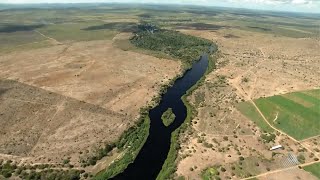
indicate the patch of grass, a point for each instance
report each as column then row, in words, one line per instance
column 314, row 169
column 25, row 47
column 247, row 167
column 43, row 171
column 268, row 137
column 247, row 109
column 199, row 98
column 76, row 32
column 294, row 118
column 168, row 117
column 19, row 41
column 210, row 173
column 131, row 142
column 297, row 113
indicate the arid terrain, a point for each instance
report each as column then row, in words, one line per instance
column 75, row 78
column 250, row 65
column 63, row 101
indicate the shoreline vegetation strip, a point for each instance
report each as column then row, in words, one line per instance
column 134, row 138
column 169, row 166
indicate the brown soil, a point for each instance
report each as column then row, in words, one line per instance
column 250, row 66
column 67, row 100
column 294, row 174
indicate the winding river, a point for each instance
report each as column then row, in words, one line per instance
column 153, row 154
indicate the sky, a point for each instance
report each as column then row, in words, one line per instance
column 311, row 6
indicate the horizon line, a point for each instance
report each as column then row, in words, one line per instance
column 149, row 3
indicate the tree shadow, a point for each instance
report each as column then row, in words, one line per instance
column 3, row 91
column 228, row 36
column 119, row 26
column 15, row 28
column 259, row 28
column 200, row 26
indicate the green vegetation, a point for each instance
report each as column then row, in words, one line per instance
column 210, row 173
column 168, row 117
column 71, row 23
column 301, row 158
column 199, row 98
column 247, row 109
column 98, row 155
column 177, row 45
column 314, row 169
column 268, row 137
column 247, row 167
column 9, row 169
column 130, row 143
column 169, row 166
column 297, row 113
column 137, row 141
column 76, row 32
column 86, row 22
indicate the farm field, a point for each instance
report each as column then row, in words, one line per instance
column 294, row 113
column 247, row 109
column 253, row 65
column 73, row 75
column 314, row 169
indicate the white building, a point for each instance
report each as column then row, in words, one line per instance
column 275, row 147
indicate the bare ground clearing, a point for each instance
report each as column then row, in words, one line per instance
column 65, row 101
column 250, row 66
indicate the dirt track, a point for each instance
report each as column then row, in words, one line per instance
column 251, row 66
column 67, row 100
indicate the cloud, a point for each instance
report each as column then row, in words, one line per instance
column 295, row 2
column 301, row 2
column 279, row 5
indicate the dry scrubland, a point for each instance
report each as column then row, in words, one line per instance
column 64, row 101
column 70, row 84
column 223, row 141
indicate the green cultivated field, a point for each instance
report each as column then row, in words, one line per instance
column 314, row 169
column 247, row 109
column 85, row 22
column 297, row 113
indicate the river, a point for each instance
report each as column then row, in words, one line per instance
column 151, row 157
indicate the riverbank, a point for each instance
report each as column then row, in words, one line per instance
column 135, row 146
column 169, row 167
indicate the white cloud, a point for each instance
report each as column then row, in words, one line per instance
column 281, row 5
column 300, row 2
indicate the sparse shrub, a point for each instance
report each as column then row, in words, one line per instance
column 66, row 161
column 268, row 169
column 241, row 158
column 85, row 175
column 245, row 79
column 301, row 158
column 268, row 137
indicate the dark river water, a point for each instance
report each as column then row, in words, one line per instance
column 151, row 157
